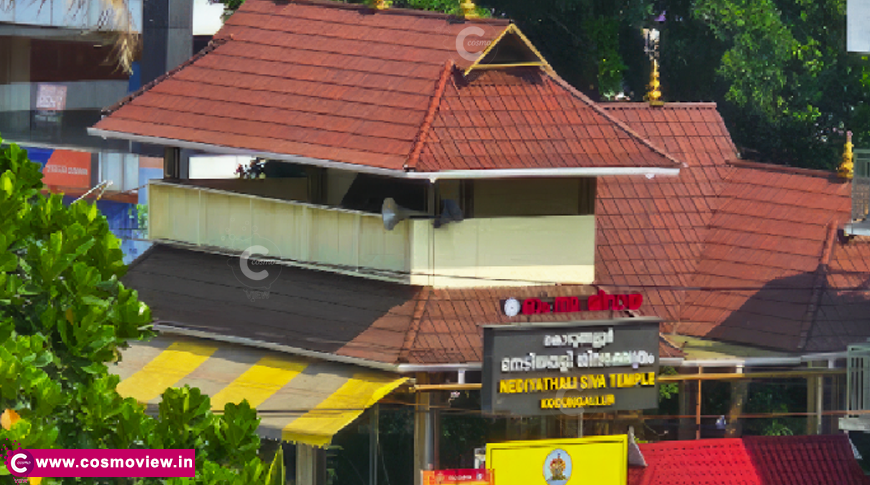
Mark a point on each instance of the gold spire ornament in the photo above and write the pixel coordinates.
(469, 9)
(847, 168)
(655, 96)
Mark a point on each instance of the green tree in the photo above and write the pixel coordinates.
(65, 315)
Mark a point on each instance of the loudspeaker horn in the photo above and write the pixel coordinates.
(393, 213)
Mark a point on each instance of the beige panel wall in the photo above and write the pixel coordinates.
(290, 231)
(505, 251)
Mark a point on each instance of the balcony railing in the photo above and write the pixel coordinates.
(504, 251)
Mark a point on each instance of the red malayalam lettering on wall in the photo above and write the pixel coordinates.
(569, 304)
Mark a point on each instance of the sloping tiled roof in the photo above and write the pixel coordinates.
(524, 118)
(304, 309)
(772, 235)
(324, 312)
(732, 250)
(448, 323)
(334, 82)
(762, 460)
(651, 231)
(708, 462)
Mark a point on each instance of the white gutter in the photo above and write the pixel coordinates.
(430, 176)
(763, 361)
(471, 366)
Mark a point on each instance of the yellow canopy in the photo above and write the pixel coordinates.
(297, 399)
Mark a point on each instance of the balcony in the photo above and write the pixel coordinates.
(503, 251)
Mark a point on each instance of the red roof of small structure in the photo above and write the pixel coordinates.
(762, 460)
(333, 82)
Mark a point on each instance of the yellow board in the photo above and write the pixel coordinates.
(598, 460)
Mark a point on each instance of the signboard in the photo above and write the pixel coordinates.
(50, 103)
(468, 476)
(600, 301)
(858, 26)
(569, 368)
(50, 97)
(67, 169)
(602, 460)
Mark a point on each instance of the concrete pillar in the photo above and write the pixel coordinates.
(424, 433)
(310, 465)
(814, 405)
(167, 36)
(176, 163)
(374, 436)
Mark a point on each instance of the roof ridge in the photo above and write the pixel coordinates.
(434, 103)
(820, 283)
(597, 108)
(212, 45)
(398, 11)
(420, 310)
(772, 167)
(645, 105)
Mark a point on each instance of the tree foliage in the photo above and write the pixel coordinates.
(64, 317)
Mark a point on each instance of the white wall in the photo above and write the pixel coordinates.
(207, 17)
(858, 26)
(216, 166)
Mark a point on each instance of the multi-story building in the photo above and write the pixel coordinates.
(58, 70)
(425, 176)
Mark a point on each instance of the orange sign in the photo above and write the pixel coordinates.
(470, 476)
(68, 169)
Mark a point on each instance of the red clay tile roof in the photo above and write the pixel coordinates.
(755, 460)
(732, 250)
(524, 118)
(338, 314)
(335, 82)
(447, 326)
(651, 231)
(773, 234)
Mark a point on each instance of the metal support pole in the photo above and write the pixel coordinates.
(374, 433)
(698, 408)
(424, 457)
(820, 404)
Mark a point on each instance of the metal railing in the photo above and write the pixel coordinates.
(861, 186)
(858, 377)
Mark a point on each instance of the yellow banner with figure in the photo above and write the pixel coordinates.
(602, 460)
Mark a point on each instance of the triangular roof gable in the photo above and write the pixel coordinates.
(510, 49)
(314, 91)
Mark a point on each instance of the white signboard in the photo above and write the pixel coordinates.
(858, 26)
(50, 97)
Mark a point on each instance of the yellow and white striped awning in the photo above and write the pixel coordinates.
(297, 399)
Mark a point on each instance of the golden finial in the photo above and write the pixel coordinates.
(847, 168)
(655, 96)
(469, 9)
